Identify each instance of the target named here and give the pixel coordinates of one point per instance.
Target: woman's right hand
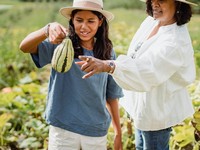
(57, 33)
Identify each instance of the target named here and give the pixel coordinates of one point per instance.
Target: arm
(140, 74)
(113, 108)
(54, 31)
(30, 43)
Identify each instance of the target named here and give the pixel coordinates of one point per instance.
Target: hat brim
(190, 3)
(183, 1)
(66, 12)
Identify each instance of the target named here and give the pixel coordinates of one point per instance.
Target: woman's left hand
(118, 142)
(92, 65)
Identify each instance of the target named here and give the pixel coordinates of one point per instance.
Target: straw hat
(183, 1)
(187, 2)
(94, 5)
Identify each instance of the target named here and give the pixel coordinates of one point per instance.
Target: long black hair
(103, 45)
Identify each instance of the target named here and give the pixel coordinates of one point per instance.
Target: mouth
(156, 13)
(84, 33)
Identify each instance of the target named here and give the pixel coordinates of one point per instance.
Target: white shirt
(154, 78)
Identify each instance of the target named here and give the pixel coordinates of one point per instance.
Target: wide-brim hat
(93, 5)
(187, 2)
(183, 1)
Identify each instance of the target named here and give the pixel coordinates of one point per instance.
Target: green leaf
(4, 118)
(30, 142)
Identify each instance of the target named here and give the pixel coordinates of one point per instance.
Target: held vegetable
(63, 56)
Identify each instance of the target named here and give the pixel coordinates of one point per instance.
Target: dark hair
(182, 15)
(103, 45)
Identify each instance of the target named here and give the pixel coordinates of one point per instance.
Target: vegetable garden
(23, 87)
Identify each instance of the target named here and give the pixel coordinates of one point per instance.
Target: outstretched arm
(54, 31)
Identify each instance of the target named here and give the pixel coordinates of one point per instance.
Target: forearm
(30, 43)
(113, 108)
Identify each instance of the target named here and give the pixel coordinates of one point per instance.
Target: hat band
(87, 5)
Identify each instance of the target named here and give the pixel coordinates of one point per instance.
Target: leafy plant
(24, 88)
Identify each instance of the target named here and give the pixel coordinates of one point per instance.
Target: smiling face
(164, 11)
(86, 25)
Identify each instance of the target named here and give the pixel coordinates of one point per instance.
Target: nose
(84, 25)
(154, 3)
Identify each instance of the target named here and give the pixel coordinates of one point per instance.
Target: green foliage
(195, 32)
(22, 124)
(196, 9)
(182, 136)
(22, 105)
(123, 27)
(13, 28)
(21, 121)
(197, 60)
(126, 4)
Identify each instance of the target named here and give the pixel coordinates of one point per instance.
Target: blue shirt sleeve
(113, 90)
(44, 55)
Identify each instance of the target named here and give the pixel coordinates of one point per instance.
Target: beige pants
(60, 139)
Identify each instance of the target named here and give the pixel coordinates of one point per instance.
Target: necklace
(138, 46)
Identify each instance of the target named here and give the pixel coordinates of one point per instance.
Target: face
(86, 25)
(164, 10)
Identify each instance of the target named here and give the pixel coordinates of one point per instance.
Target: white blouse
(154, 76)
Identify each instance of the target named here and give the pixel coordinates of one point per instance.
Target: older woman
(155, 73)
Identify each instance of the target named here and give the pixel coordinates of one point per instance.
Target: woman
(155, 73)
(76, 108)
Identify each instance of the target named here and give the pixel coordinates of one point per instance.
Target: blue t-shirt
(75, 104)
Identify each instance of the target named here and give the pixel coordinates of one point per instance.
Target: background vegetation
(23, 87)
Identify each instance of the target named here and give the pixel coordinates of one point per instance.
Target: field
(23, 87)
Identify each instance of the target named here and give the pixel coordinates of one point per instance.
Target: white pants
(60, 139)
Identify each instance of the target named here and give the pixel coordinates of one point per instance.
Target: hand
(118, 142)
(92, 65)
(57, 33)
